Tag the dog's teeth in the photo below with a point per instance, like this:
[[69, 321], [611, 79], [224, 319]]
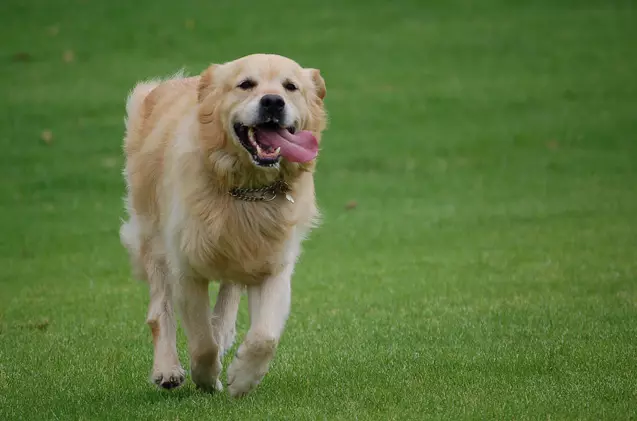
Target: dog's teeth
[[259, 150], [251, 135], [277, 150]]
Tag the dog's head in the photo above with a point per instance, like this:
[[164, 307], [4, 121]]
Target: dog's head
[[262, 110]]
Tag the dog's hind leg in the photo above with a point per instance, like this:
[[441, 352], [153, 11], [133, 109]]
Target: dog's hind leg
[[130, 237], [167, 371], [149, 264]]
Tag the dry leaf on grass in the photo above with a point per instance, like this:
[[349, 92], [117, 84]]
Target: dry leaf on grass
[[190, 24], [68, 56], [22, 56], [46, 136], [552, 145], [42, 324], [352, 204]]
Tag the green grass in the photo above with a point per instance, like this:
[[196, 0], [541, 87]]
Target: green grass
[[488, 271]]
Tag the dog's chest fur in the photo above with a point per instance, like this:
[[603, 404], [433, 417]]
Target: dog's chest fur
[[233, 240]]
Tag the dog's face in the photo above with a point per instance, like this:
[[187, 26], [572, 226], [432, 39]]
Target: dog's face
[[270, 108]]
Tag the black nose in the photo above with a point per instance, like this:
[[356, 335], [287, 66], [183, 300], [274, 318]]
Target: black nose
[[272, 106]]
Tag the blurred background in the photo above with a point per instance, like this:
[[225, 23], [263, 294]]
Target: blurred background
[[478, 253]]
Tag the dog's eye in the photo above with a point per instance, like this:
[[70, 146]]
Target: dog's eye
[[290, 86], [247, 84]]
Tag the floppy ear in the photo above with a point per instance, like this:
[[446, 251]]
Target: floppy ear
[[206, 82], [319, 83]]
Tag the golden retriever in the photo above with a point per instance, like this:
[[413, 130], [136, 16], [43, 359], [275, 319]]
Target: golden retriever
[[219, 170]]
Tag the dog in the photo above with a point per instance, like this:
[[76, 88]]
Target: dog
[[220, 186]]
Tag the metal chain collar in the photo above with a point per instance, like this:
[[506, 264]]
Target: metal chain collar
[[262, 194]]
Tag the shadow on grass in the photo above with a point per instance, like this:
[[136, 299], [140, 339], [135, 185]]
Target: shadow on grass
[[152, 394], [140, 399]]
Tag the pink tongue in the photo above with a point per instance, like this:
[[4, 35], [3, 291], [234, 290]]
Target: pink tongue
[[298, 147]]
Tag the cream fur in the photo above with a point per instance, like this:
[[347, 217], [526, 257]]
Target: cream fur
[[184, 229]]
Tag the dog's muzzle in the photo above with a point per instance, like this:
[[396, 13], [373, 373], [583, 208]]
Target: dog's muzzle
[[271, 109]]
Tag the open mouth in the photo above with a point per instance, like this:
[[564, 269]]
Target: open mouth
[[255, 139]]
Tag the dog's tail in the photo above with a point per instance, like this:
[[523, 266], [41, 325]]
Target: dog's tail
[[136, 108], [138, 95]]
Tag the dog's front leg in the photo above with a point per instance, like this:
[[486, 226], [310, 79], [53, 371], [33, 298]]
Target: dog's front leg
[[269, 305], [194, 307]]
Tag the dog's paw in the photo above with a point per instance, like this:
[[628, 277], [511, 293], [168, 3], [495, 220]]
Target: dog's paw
[[247, 369], [168, 379], [215, 386], [205, 373]]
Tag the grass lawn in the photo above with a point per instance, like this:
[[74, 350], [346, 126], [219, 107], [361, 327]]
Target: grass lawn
[[488, 270]]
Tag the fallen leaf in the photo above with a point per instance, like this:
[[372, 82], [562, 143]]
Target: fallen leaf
[[352, 204], [190, 24], [69, 56], [32, 325], [22, 56], [552, 145], [42, 325], [47, 136]]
